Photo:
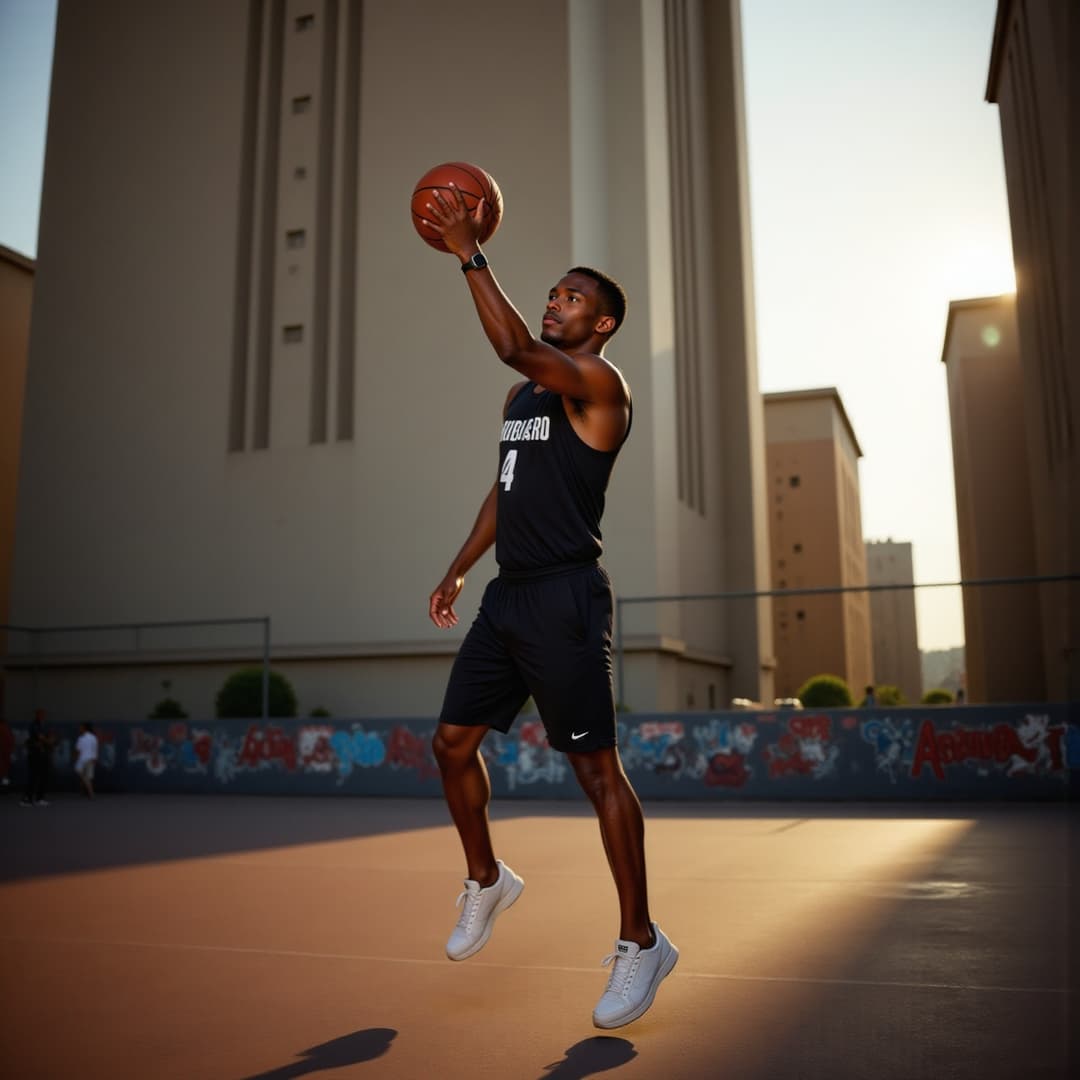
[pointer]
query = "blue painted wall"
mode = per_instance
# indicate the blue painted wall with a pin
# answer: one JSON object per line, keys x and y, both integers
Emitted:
{"x": 992, "y": 752}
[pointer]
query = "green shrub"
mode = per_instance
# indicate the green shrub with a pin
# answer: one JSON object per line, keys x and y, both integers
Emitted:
{"x": 168, "y": 709}
{"x": 825, "y": 692}
{"x": 241, "y": 695}
{"x": 938, "y": 696}
{"x": 319, "y": 712}
{"x": 890, "y": 695}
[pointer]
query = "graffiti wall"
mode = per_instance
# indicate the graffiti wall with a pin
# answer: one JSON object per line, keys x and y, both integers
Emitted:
{"x": 999, "y": 752}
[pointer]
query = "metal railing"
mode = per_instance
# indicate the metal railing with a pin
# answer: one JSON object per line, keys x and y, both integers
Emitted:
{"x": 824, "y": 590}
{"x": 36, "y": 658}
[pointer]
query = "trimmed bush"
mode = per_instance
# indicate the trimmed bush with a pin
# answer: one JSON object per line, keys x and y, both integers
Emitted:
{"x": 890, "y": 695}
{"x": 825, "y": 692}
{"x": 168, "y": 709}
{"x": 938, "y": 696}
{"x": 241, "y": 695}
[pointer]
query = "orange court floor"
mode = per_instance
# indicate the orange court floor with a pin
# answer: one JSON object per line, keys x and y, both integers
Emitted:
{"x": 269, "y": 938}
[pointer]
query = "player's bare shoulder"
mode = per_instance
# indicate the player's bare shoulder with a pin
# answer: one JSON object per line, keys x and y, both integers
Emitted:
{"x": 607, "y": 384}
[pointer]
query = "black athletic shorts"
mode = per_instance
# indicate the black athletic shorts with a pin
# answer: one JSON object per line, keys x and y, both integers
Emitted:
{"x": 546, "y": 635}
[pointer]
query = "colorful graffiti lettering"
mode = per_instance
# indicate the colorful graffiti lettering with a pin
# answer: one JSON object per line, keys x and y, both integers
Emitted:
{"x": 315, "y": 749}
{"x": 408, "y": 750}
{"x": 147, "y": 749}
{"x": 804, "y": 749}
{"x": 265, "y": 748}
{"x": 525, "y": 758}
{"x": 357, "y": 749}
{"x": 892, "y": 741}
{"x": 727, "y": 770}
{"x": 1033, "y": 747}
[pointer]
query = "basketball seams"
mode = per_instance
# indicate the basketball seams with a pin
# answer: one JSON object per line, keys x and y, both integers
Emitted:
{"x": 474, "y": 184}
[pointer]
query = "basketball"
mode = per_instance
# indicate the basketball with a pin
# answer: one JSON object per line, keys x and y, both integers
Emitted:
{"x": 473, "y": 182}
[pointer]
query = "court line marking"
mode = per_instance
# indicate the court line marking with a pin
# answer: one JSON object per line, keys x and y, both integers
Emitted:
{"x": 708, "y": 975}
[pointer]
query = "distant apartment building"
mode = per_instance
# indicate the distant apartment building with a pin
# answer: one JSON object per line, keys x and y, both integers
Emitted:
{"x": 815, "y": 538}
{"x": 16, "y": 293}
{"x": 995, "y": 506}
{"x": 893, "y": 627}
{"x": 1032, "y": 79}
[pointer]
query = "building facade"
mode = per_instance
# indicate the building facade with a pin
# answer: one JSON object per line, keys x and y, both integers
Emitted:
{"x": 1032, "y": 80}
{"x": 254, "y": 391}
{"x": 815, "y": 536}
{"x": 893, "y": 625}
{"x": 995, "y": 510}
{"x": 16, "y": 298}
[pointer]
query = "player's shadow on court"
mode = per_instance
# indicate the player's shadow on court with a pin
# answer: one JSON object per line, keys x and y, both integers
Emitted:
{"x": 351, "y": 1049}
{"x": 591, "y": 1056}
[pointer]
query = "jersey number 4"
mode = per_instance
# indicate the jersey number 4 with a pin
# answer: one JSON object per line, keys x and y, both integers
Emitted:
{"x": 506, "y": 477}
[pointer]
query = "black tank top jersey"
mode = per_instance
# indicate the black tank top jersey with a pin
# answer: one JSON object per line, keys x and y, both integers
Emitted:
{"x": 551, "y": 487}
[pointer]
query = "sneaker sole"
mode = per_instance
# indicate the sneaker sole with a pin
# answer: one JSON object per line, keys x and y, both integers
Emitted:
{"x": 663, "y": 972}
{"x": 512, "y": 895}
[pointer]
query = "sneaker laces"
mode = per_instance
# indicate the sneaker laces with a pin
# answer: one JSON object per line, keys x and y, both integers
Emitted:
{"x": 622, "y": 974}
{"x": 468, "y": 912}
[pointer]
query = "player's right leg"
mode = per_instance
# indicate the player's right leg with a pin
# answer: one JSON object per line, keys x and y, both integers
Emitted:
{"x": 485, "y": 691}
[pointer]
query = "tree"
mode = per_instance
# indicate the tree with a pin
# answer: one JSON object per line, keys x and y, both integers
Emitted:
{"x": 241, "y": 695}
{"x": 825, "y": 692}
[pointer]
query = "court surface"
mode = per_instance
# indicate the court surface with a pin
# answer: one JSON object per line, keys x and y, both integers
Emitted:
{"x": 233, "y": 937}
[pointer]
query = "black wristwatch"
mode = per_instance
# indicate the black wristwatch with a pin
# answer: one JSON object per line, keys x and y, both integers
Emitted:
{"x": 477, "y": 262}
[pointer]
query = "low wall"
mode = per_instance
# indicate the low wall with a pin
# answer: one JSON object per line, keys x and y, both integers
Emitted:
{"x": 970, "y": 752}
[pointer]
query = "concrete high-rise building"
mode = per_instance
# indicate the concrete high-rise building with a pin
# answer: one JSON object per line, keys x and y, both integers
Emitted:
{"x": 893, "y": 627}
{"x": 16, "y": 297}
{"x": 253, "y": 390}
{"x": 1032, "y": 79}
{"x": 995, "y": 510}
{"x": 815, "y": 537}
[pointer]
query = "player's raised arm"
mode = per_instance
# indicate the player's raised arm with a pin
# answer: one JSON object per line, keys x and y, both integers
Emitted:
{"x": 566, "y": 358}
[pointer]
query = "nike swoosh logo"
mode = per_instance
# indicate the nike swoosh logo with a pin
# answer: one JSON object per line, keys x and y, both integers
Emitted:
{"x": 575, "y": 735}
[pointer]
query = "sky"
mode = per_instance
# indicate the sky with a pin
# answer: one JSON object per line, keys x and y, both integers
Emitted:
{"x": 877, "y": 194}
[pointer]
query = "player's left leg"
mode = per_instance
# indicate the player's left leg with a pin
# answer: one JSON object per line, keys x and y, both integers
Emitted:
{"x": 643, "y": 954}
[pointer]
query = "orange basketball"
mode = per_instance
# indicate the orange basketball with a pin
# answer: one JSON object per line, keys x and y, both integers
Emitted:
{"x": 473, "y": 182}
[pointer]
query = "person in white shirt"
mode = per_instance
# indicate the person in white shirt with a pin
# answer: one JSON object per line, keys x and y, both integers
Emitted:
{"x": 86, "y": 751}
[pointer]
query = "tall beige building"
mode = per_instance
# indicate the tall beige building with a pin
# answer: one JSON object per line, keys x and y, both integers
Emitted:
{"x": 16, "y": 297}
{"x": 1032, "y": 79}
{"x": 893, "y": 627}
{"x": 253, "y": 390}
{"x": 815, "y": 536}
{"x": 995, "y": 509}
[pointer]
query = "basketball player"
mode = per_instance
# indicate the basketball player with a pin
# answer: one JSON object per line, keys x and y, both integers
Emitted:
{"x": 544, "y": 626}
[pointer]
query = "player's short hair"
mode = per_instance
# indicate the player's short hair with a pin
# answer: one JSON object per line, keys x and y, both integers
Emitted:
{"x": 612, "y": 294}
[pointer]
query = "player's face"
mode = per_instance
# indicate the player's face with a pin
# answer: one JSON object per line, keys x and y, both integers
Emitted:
{"x": 571, "y": 312}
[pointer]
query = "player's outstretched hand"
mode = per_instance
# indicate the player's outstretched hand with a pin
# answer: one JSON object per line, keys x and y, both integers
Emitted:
{"x": 450, "y": 217}
{"x": 441, "y": 607}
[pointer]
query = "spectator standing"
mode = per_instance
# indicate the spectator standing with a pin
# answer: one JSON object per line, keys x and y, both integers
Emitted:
{"x": 86, "y": 753}
{"x": 38, "y": 756}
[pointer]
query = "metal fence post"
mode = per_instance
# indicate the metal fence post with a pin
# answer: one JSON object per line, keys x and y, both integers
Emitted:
{"x": 266, "y": 670}
{"x": 619, "y": 653}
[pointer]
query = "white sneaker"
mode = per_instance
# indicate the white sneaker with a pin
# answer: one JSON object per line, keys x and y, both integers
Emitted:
{"x": 479, "y": 908}
{"x": 634, "y": 979}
